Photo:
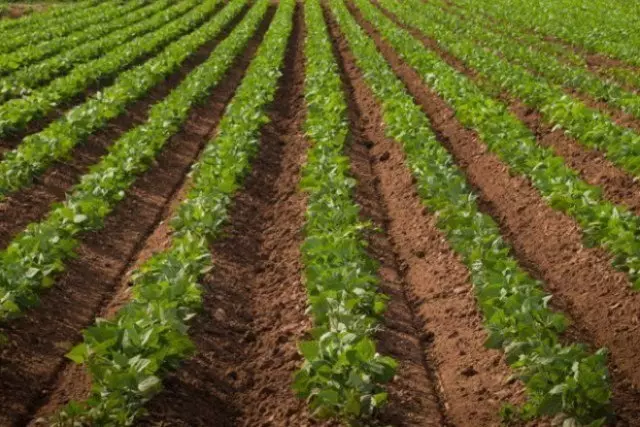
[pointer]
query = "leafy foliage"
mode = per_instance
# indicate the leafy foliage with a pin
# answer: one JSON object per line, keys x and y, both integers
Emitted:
{"x": 17, "y": 113}
{"x": 23, "y": 81}
{"x": 52, "y": 16}
{"x": 342, "y": 372}
{"x": 20, "y": 51}
{"x": 32, "y": 259}
{"x": 589, "y": 126}
{"x": 40, "y": 150}
{"x": 548, "y": 69}
{"x": 128, "y": 355}
{"x": 598, "y": 26}
{"x": 559, "y": 378}
{"x": 613, "y": 227}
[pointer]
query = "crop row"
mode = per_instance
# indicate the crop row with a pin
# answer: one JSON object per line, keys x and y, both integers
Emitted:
{"x": 21, "y": 82}
{"x": 128, "y": 355}
{"x": 342, "y": 371}
{"x": 68, "y": 27}
{"x": 51, "y": 17}
{"x": 559, "y": 378}
{"x": 603, "y": 30}
{"x": 29, "y": 54}
{"x": 37, "y": 254}
{"x": 39, "y": 150}
{"x": 546, "y": 65}
{"x": 611, "y": 226}
{"x": 589, "y": 126}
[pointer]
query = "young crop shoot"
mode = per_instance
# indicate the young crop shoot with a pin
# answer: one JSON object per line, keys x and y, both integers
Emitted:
{"x": 14, "y": 59}
{"x": 151, "y": 18}
{"x": 560, "y": 378}
{"x": 342, "y": 373}
{"x": 547, "y": 66}
{"x": 128, "y": 355}
{"x": 34, "y": 257}
{"x": 17, "y": 113}
{"x": 604, "y": 224}
{"x": 38, "y": 151}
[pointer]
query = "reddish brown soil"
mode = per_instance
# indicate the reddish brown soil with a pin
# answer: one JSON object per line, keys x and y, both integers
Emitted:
{"x": 254, "y": 300}
{"x": 471, "y": 380}
{"x": 33, "y": 362}
{"x": 548, "y": 244}
{"x": 413, "y": 395}
{"x": 33, "y": 203}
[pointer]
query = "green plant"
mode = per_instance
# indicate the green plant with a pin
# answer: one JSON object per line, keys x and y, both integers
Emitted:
{"x": 128, "y": 355}
{"x": 34, "y": 257}
{"x": 559, "y": 378}
{"x": 342, "y": 373}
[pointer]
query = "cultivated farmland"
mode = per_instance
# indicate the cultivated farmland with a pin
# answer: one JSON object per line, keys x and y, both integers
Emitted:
{"x": 320, "y": 213}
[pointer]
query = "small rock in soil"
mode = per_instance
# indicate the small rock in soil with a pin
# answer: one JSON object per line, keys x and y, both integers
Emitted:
{"x": 220, "y": 315}
{"x": 469, "y": 371}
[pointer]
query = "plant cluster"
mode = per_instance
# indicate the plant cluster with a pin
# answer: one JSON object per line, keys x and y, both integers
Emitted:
{"x": 38, "y": 151}
{"x": 603, "y": 223}
{"x": 559, "y": 378}
{"x": 128, "y": 355}
{"x": 589, "y": 126}
{"x": 15, "y": 57}
{"x": 50, "y": 16}
{"x": 593, "y": 25}
{"x": 33, "y": 258}
{"x": 531, "y": 56}
{"x": 21, "y": 82}
{"x": 342, "y": 373}
{"x": 17, "y": 113}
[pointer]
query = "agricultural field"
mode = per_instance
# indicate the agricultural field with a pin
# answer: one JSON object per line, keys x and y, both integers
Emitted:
{"x": 320, "y": 213}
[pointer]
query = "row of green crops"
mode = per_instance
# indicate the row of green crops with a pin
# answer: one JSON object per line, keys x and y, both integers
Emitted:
{"x": 547, "y": 66}
{"x": 17, "y": 113}
{"x": 55, "y": 142}
{"x": 49, "y": 17}
{"x": 603, "y": 223}
{"x": 12, "y": 60}
{"x": 342, "y": 372}
{"x": 560, "y": 379}
{"x": 21, "y": 82}
{"x": 32, "y": 259}
{"x": 70, "y": 28}
{"x": 590, "y": 127}
{"x": 468, "y": 9}
{"x": 127, "y": 356}
{"x": 605, "y": 30}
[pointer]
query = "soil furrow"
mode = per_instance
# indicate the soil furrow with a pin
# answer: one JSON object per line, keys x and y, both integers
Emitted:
{"x": 254, "y": 301}
{"x": 33, "y": 363}
{"x": 414, "y": 397}
{"x": 34, "y": 202}
{"x": 472, "y": 381}
{"x": 546, "y": 242}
